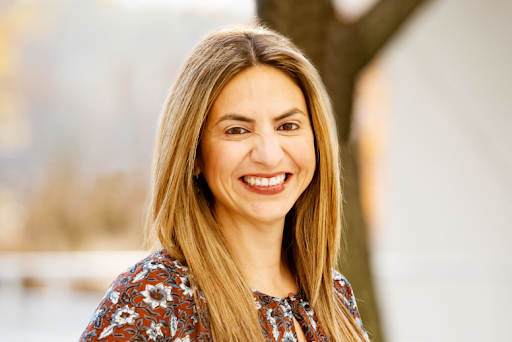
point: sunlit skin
(258, 127)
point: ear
(197, 170)
(197, 166)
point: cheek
(304, 155)
(220, 161)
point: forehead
(258, 91)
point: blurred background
(82, 83)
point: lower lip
(267, 190)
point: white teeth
(265, 181)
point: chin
(268, 216)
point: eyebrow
(238, 117)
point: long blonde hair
(180, 214)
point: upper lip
(265, 175)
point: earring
(197, 182)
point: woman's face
(257, 150)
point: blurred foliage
(65, 214)
(81, 86)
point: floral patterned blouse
(152, 301)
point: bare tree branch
(380, 24)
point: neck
(258, 247)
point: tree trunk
(340, 51)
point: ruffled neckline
(268, 298)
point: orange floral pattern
(153, 301)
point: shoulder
(145, 299)
(344, 290)
(159, 271)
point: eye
(236, 130)
(288, 127)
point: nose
(267, 151)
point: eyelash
(288, 123)
(231, 130)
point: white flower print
(337, 276)
(288, 337)
(174, 325)
(114, 297)
(96, 314)
(287, 310)
(170, 285)
(187, 291)
(194, 318)
(151, 265)
(201, 295)
(148, 266)
(272, 321)
(154, 331)
(139, 276)
(107, 331)
(311, 315)
(178, 265)
(125, 315)
(157, 295)
(122, 316)
(257, 303)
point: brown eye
(236, 130)
(288, 127)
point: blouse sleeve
(344, 291)
(148, 301)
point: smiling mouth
(265, 182)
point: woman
(246, 203)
